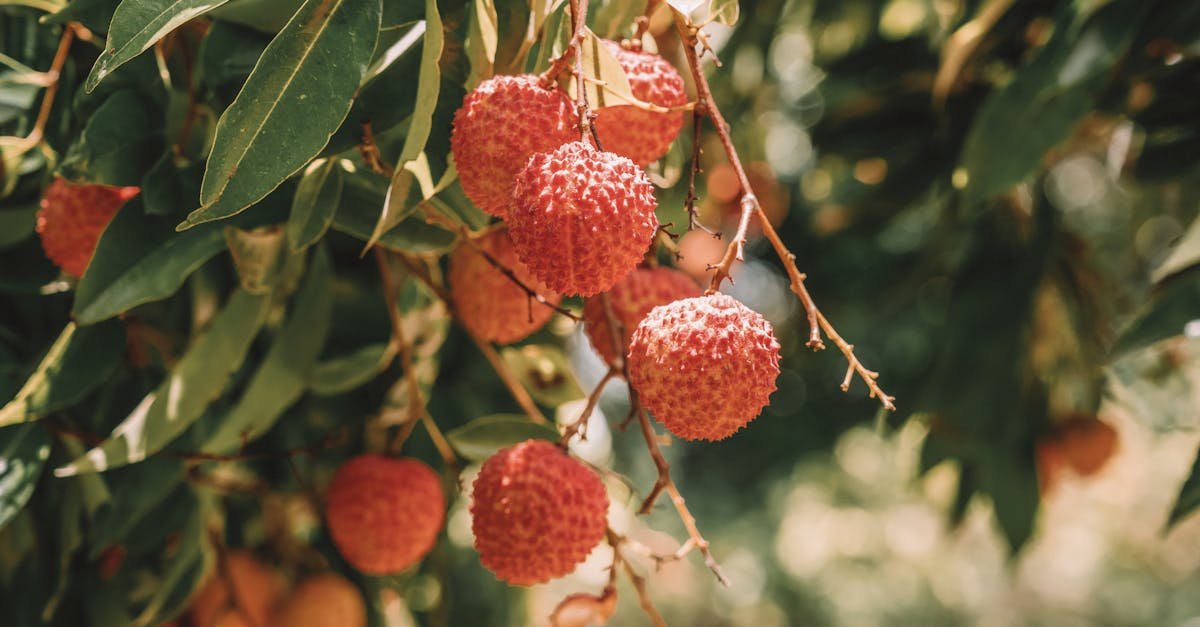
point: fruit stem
(615, 540)
(817, 322)
(580, 424)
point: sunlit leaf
(481, 438)
(315, 203)
(23, 451)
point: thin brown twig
(512, 276)
(689, 203)
(399, 343)
(53, 76)
(639, 582)
(580, 424)
(562, 61)
(441, 443)
(370, 152)
(817, 322)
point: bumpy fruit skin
(704, 366)
(384, 514)
(536, 513)
(581, 218)
(644, 136)
(256, 589)
(499, 125)
(72, 217)
(487, 302)
(630, 300)
(324, 600)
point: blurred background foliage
(996, 201)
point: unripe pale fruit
(324, 600)
(256, 589)
(704, 366)
(581, 218)
(384, 514)
(71, 219)
(630, 300)
(536, 513)
(499, 125)
(644, 136)
(489, 303)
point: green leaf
(1013, 486)
(1046, 99)
(191, 386)
(1175, 303)
(1184, 255)
(137, 24)
(117, 146)
(1187, 501)
(16, 225)
(23, 451)
(136, 491)
(545, 372)
(78, 361)
(296, 97)
(342, 374)
(267, 16)
(140, 259)
(482, 40)
(285, 371)
(168, 190)
(228, 55)
(356, 215)
(184, 573)
(315, 203)
(481, 438)
(412, 166)
(257, 255)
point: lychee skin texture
(630, 300)
(643, 136)
(324, 600)
(704, 366)
(581, 218)
(536, 513)
(384, 514)
(256, 590)
(488, 303)
(499, 125)
(72, 217)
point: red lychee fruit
(644, 136)
(324, 600)
(536, 513)
(704, 366)
(581, 218)
(72, 217)
(630, 300)
(499, 125)
(384, 514)
(241, 585)
(489, 303)
(1087, 444)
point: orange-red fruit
(72, 217)
(644, 136)
(536, 513)
(581, 218)
(384, 514)
(1087, 444)
(489, 303)
(630, 300)
(704, 366)
(324, 600)
(240, 583)
(499, 125)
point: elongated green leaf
(1175, 304)
(137, 24)
(136, 491)
(347, 372)
(281, 379)
(357, 213)
(1189, 495)
(140, 259)
(299, 92)
(481, 438)
(411, 166)
(315, 203)
(78, 361)
(258, 256)
(117, 146)
(192, 385)
(16, 225)
(482, 40)
(1046, 99)
(23, 451)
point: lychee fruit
(536, 513)
(73, 216)
(384, 514)
(323, 600)
(1087, 444)
(499, 125)
(241, 584)
(643, 136)
(630, 300)
(487, 301)
(581, 218)
(705, 366)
